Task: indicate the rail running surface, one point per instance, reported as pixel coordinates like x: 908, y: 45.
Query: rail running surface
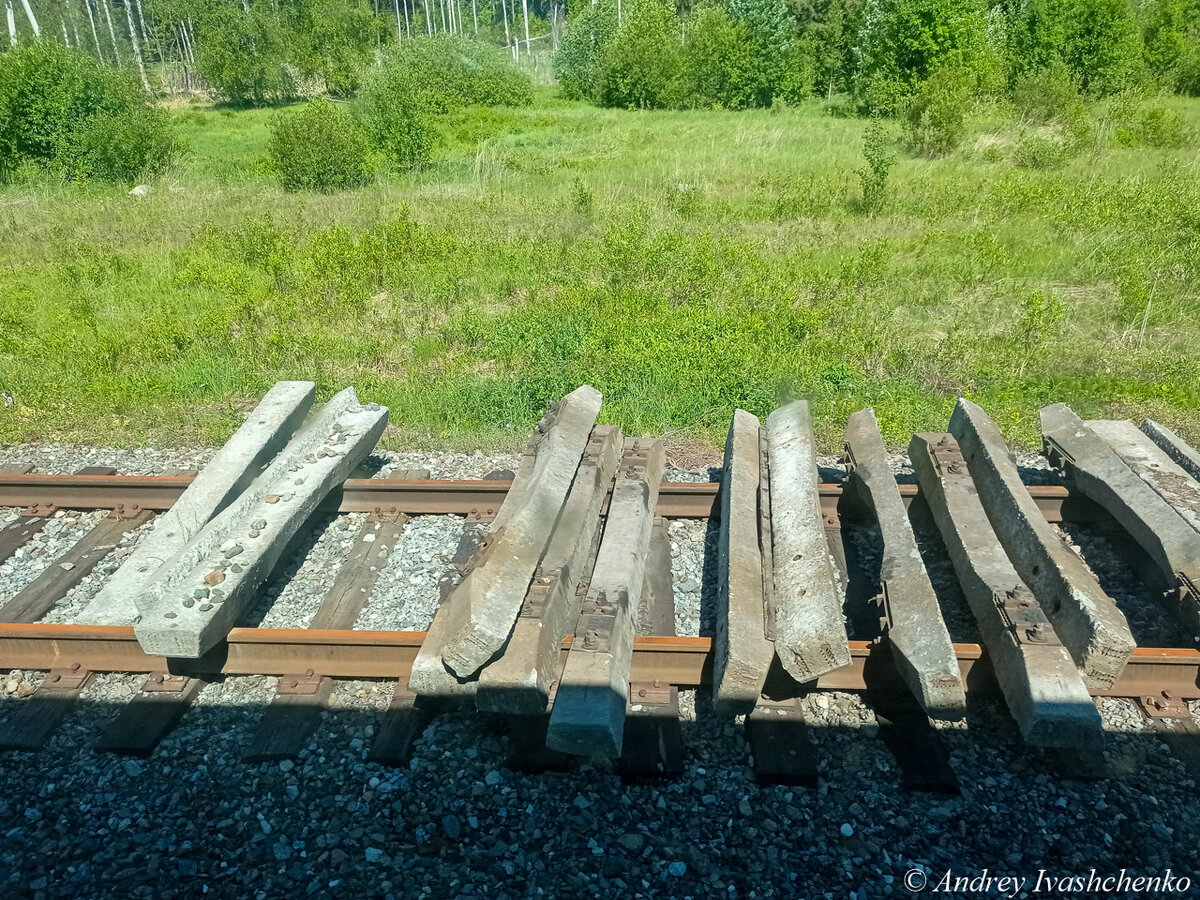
x: 479, y: 499
x: 685, y: 662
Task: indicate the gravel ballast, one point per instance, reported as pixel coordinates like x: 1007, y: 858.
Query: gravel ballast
x: 194, y: 820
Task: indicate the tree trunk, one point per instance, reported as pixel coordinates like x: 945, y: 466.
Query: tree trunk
x: 112, y: 32
x: 33, y: 22
x: 504, y: 15
x: 12, y: 24
x: 442, y: 6
x: 187, y: 43
x: 525, y: 6
x: 91, y: 18
x: 146, y: 36
x: 475, y: 16
x: 66, y: 37
x: 407, y: 21
x: 399, y: 24
x: 137, y: 47
x: 428, y: 18
x: 74, y: 25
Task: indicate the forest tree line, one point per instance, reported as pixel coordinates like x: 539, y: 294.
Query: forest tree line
x: 641, y: 53
x: 78, y: 77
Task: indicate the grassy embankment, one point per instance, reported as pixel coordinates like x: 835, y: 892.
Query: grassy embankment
x: 683, y: 263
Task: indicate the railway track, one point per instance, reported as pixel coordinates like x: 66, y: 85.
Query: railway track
x: 660, y: 663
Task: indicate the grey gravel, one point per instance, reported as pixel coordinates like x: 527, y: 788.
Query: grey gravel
x: 408, y: 591
x: 59, y: 534
x: 694, y: 585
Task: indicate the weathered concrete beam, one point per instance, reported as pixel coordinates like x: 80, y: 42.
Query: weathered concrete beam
x: 916, y: 630
x: 480, y: 625
x: 742, y: 650
x: 588, y: 716
x: 810, y: 630
x: 429, y: 676
x: 1151, y: 464
x: 519, y: 682
x: 1086, y: 619
x: 197, y: 595
x: 1043, y: 689
x: 1174, y: 446
x: 1100, y: 474
x: 227, y: 474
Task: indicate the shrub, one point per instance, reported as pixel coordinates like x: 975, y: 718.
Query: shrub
x: 935, y: 119
x: 641, y: 66
x: 715, y: 60
x: 578, y: 59
x: 333, y: 39
x: 774, y: 50
x: 878, y: 153
x: 64, y: 112
x: 389, y: 111
x: 1042, y: 150
x: 124, y: 146
x: 903, y: 42
x: 242, y: 57
x: 1047, y: 95
x: 1098, y: 41
x: 1153, y: 124
x: 443, y: 72
x: 321, y: 147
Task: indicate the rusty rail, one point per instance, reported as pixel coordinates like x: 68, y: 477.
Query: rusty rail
x: 682, y: 661
x: 481, y: 499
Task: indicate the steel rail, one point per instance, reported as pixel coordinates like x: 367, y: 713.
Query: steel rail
x: 682, y: 661
x: 478, y: 499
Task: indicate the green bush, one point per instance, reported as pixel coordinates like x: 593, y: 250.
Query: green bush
x: 640, y: 68
x: 333, y: 40
x: 715, y: 60
x: 579, y: 52
x: 935, y: 119
x: 443, y: 72
x: 66, y: 113
x: 321, y: 147
x: 1042, y: 150
x: 122, y: 146
x: 903, y: 42
x: 1098, y: 40
x: 243, y: 57
x: 775, y: 52
x: 1046, y: 95
x: 877, y: 151
x: 1153, y: 124
x: 396, y: 125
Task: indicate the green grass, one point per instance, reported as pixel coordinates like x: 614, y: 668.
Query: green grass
x: 682, y: 262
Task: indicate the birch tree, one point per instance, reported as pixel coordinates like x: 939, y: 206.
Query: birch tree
x: 137, y: 46
x: 74, y: 25
x: 33, y: 22
x: 91, y: 18
x: 112, y: 32
x: 12, y: 23
x: 525, y: 6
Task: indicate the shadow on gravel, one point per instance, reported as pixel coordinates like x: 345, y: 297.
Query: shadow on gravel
x: 194, y: 820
